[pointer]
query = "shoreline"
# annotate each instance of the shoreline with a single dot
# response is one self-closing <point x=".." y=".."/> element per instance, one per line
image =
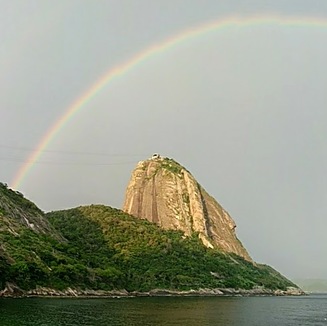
<point x="12" y="291"/>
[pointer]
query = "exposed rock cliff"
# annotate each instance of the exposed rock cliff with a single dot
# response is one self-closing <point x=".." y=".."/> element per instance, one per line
<point x="162" y="191"/>
<point x="17" y="213"/>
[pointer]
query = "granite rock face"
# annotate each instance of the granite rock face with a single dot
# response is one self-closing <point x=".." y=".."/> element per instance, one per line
<point x="162" y="191"/>
<point x="18" y="213"/>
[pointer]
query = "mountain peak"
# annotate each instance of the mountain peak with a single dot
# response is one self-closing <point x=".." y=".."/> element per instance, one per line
<point x="162" y="191"/>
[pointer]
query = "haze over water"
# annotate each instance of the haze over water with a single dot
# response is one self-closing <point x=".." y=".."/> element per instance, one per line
<point x="191" y="311"/>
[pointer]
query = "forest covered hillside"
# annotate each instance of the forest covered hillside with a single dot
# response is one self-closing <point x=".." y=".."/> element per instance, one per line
<point x="101" y="248"/>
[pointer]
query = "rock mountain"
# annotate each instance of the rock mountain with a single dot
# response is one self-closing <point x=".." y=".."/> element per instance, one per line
<point x="98" y="250"/>
<point x="162" y="191"/>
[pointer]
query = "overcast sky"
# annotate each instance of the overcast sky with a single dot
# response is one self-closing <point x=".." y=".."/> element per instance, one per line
<point x="244" y="109"/>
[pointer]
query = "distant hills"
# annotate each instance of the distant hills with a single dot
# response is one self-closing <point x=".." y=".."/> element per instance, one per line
<point x="313" y="285"/>
<point x="103" y="249"/>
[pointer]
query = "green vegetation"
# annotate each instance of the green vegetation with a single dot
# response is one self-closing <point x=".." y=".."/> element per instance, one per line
<point x="172" y="166"/>
<point x="169" y="165"/>
<point x="103" y="248"/>
<point x="17" y="198"/>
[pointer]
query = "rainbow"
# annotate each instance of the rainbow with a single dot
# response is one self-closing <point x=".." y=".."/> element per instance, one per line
<point x="139" y="58"/>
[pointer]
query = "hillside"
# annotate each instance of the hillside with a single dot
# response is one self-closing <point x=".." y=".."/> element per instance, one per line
<point x="31" y="250"/>
<point x="18" y="214"/>
<point x="148" y="257"/>
<point x="102" y="248"/>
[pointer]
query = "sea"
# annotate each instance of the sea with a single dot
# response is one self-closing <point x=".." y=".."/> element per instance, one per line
<point x="157" y="311"/>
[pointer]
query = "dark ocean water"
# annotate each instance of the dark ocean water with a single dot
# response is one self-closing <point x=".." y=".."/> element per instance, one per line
<point x="192" y="311"/>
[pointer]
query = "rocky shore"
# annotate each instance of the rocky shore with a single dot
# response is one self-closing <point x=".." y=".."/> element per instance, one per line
<point x="12" y="290"/>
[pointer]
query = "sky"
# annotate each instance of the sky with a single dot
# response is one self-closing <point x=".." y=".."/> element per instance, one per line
<point x="242" y="108"/>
